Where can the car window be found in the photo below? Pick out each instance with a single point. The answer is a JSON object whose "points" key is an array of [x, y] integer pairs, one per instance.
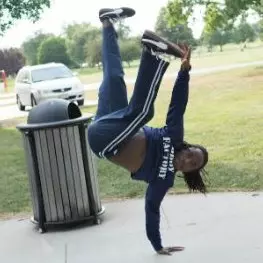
{"points": [[27, 76], [21, 76], [50, 73]]}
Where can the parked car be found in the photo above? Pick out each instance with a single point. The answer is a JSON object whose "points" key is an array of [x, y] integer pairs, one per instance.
{"points": [[34, 84]]}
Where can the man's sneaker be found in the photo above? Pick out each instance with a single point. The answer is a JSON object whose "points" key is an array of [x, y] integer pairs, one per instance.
{"points": [[160, 45], [115, 14]]}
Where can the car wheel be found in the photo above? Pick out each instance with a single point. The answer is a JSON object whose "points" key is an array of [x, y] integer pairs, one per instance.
{"points": [[81, 102], [21, 107], [33, 101]]}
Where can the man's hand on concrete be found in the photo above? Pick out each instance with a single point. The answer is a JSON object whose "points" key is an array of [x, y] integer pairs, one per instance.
{"points": [[169, 250]]}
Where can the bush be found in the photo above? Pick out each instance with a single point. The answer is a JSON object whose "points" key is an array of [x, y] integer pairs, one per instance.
{"points": [[130, 50], [53, 49], [11, 60]]}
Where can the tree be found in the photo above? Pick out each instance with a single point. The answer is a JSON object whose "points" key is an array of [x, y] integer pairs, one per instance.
{"points": [[216, 38], [260, 25], [244, 33], [181, 33], [17, 9], [30, 47], [161, 25], [130, 50], [93, 52], [214, 19], [77, 36], [53, 49], [179, 11], [11, 60], [123, 30]]}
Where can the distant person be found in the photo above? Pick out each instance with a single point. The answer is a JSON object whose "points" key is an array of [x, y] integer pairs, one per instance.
{"points": [[119, 134]]}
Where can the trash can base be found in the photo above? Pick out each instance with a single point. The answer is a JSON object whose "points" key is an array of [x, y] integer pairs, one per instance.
{"points": [[95, 219]]}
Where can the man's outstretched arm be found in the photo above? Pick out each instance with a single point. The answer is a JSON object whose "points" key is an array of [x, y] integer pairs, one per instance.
{"points": [[179, 100], [154, 196]]}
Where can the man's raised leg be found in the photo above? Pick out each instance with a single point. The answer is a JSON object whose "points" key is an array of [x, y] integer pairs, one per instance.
{"points": [[112, 92], [120, 125]]}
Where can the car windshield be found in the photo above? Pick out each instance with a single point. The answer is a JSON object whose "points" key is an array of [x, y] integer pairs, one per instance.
{"points": [[51, 73]]}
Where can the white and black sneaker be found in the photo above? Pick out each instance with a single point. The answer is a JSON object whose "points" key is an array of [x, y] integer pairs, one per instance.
{"points": [[115, 14], [159, 45]]}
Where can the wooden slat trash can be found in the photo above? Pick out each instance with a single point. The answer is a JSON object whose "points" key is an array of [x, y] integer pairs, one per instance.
{"points": [[61, 166]]}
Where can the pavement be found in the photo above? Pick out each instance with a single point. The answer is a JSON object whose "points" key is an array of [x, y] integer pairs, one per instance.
{"points": [[214, 228]]}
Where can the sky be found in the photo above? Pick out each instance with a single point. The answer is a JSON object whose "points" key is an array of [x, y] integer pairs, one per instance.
{"points": [[63, 12]]}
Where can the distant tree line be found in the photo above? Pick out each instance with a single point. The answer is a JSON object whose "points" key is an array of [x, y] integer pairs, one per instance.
{"points": [[217, 31], [80, 44]]}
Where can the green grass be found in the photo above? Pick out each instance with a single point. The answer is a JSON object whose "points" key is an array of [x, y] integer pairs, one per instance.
{"points": [[14, 192], [10, 84], [224, 114], [200, 59]]}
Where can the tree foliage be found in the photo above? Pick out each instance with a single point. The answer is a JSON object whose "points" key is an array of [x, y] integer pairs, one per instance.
{"points": [[179, 11], [93, 52], [30, 47], [244, 33], [12, 10], [216, 38], [123, 30], [77, 36], [53, 49], [260, 25], [130, 50], [214, 18], [178, 33], [11, 60]]}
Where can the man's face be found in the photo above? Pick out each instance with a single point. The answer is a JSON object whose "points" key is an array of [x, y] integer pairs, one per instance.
{"points": [[189, 160]]}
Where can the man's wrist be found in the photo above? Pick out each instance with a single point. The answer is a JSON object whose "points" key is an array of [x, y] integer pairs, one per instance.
{"points": [[188, 68], [157, 249]]}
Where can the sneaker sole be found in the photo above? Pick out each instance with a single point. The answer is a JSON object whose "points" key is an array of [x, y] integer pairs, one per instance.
{"points": [[162, 43], [118, 12]]}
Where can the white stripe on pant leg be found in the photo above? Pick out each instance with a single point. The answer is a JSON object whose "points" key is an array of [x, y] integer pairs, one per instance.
{"points": [[126, 132], [140, 116]]}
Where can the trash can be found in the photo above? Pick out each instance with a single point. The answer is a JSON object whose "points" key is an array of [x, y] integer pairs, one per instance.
{"points": [[62, 169]]}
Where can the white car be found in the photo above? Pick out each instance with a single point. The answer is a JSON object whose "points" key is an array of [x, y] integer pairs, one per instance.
{"points": [[34, 84]]}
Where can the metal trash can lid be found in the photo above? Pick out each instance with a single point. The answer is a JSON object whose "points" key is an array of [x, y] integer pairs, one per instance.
{"points": [[53, 110]]}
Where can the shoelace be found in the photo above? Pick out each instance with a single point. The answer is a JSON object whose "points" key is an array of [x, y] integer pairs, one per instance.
{"points": [[160, 55], [116, 19]]}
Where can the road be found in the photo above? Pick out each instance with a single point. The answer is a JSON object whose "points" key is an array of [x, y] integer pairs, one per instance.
{"points": [[9, 110]]}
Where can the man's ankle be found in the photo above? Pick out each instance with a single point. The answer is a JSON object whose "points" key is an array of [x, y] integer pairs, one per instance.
{"points": [[106, 23]]}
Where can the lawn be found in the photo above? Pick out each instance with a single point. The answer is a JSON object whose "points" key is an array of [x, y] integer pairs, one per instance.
{"points": [[224, 114], [10, 84], [200, 59]]}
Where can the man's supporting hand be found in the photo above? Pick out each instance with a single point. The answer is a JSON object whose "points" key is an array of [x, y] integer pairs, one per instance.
{"points": [[169, 250]]}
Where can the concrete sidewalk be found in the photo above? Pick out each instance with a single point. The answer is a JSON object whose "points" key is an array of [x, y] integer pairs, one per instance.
{"points": [[218, 228]]}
